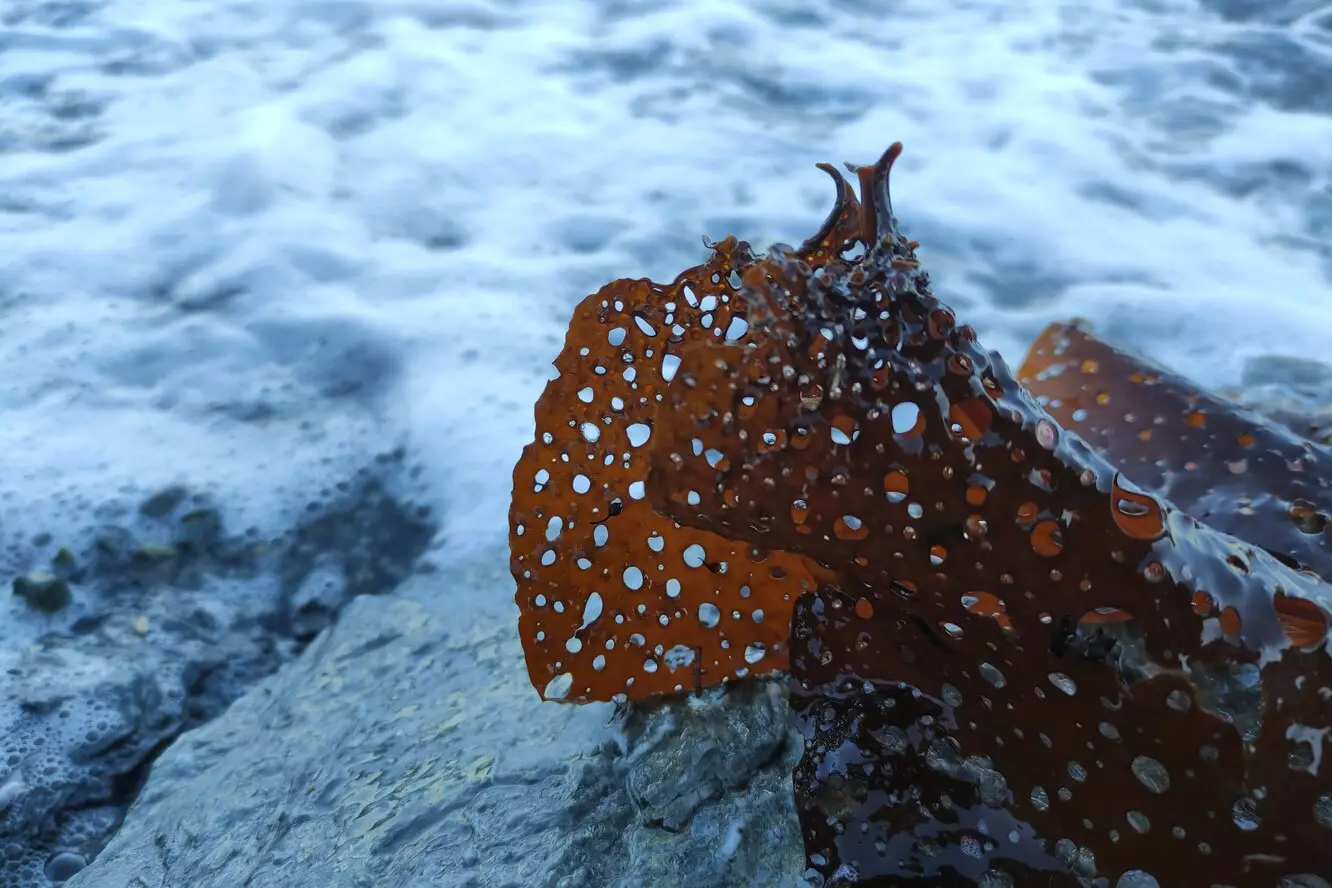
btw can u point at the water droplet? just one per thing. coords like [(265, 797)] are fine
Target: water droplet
[(1323, 810), (975, 528), (905, 417), (1063, 682), (1306, 517), (1151, 774), (62, 866), (993, 675), (1046, 434), (1135, 512), (1245, 814), (1047, 539), (850, 527), (896, 485)]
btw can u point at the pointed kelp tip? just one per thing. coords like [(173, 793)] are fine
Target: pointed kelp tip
[(876, 214)]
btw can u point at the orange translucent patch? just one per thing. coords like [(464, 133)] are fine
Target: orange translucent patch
[(1303, 621), (1047, 539)]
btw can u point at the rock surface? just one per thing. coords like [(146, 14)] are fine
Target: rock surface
[(405, 746)]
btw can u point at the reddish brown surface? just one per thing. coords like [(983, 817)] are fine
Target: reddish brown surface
[(614, 598), (1000, 615), (1229, 467), (863, 427)]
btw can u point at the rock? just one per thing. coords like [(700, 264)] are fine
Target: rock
[(44, 592), (1296, 392), (1301, 374), (405, 746), (155, 628)]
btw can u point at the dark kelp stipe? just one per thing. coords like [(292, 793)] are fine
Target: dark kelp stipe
[(1013, 659)]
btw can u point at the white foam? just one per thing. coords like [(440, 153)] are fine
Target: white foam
[(279, 201)]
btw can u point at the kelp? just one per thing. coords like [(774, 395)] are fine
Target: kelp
[(1232, 468), (1014, 661), (616, 600)]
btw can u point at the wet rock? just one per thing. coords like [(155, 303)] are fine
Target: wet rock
[(44, 592), (155, 628), (404, 747)]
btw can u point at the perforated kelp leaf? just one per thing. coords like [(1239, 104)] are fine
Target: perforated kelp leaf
[(1232, 468), (617, 601), (1086, 635)]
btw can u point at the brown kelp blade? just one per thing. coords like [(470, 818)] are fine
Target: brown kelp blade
[(1231, 468), (617, 601), (857, 424)]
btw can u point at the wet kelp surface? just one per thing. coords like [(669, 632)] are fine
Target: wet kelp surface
[(618, 600), (1231, 468), (1019, 655)]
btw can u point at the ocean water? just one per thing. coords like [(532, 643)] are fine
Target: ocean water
[(243, 243)]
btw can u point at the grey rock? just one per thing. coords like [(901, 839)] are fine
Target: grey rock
[(406, 746)]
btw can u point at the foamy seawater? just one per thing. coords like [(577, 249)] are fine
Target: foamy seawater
[(243, 244)]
